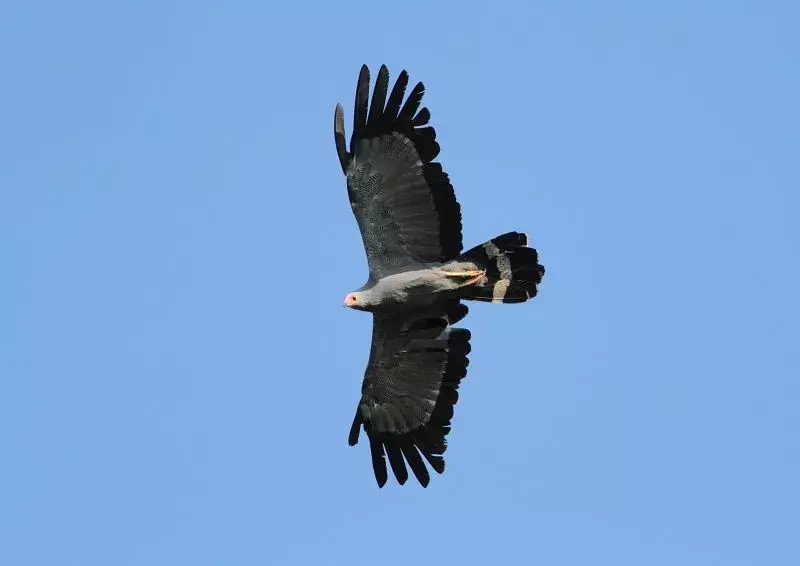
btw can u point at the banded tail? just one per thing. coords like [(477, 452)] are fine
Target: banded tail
[(512, 270)]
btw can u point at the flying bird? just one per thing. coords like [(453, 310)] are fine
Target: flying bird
[(410, 224)]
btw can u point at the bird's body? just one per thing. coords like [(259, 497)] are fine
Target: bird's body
[(410, 223), (416, 288), (408, 289)]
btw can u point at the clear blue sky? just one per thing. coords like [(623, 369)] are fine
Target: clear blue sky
[(177, 373)]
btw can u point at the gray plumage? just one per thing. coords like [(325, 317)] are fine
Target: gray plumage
[(410, 223)]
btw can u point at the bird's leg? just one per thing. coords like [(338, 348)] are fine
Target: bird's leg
[(473, 280), (473, 276), (470, 273)]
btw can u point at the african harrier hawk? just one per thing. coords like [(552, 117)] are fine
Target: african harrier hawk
[(410, 223)]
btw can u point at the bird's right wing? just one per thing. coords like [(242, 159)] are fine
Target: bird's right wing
[(417, 361), (403, 202)]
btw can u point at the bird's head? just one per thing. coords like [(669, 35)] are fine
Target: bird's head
[(355, 301)]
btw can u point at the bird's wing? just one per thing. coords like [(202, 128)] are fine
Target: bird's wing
[(416, 363), (403, 201)]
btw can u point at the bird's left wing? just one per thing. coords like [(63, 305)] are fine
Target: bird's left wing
[(417, 361), (403, 201)]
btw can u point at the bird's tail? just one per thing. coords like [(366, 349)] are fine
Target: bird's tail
[(512, 270)]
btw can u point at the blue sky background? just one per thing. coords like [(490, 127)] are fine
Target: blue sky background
[(177, 374)]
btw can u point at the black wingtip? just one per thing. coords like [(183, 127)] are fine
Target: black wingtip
[(414, 460), (395, 99), (412, 103), (395, 456), (378, 460), (378, 101), (360, 107), (422, 117), (355, 429), (340, 137)]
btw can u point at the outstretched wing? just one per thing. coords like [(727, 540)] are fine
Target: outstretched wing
[(402, 200), (416, 363)]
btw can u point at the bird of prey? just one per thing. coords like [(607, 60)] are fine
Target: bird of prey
[(410, 224)]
